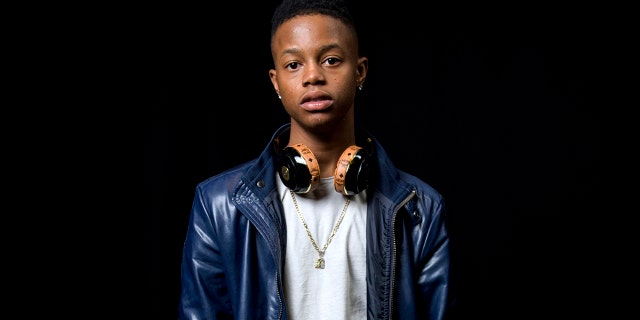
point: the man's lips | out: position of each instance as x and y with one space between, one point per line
316 101
316 105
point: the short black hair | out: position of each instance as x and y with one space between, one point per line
288 9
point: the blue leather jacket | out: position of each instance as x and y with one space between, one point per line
233 256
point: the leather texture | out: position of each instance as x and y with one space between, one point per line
233 255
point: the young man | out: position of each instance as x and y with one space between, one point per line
321 225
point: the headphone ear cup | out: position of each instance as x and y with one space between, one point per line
298 168
352 171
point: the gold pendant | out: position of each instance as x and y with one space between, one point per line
319 263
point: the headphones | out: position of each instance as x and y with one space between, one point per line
299 170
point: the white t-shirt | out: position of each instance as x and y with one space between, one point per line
339 291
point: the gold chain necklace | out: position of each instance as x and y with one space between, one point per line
320 261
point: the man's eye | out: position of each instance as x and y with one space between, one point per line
292 65
332 61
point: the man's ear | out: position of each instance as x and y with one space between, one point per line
273 77
361 71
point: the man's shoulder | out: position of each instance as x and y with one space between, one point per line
421 186
227 177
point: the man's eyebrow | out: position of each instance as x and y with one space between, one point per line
323 49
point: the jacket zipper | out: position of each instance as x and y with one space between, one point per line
279 297
393 265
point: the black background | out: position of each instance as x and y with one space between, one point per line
490 105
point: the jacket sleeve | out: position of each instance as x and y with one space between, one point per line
433 277
422 270
204 293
